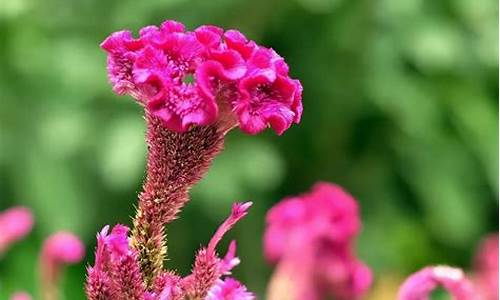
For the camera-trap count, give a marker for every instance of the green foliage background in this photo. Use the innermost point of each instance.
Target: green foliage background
(400, 105)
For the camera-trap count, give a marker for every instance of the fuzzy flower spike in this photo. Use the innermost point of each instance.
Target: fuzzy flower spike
(194, 86)
(116, 274)
(208, 267)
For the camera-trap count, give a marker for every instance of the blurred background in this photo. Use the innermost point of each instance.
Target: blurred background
(400, 108)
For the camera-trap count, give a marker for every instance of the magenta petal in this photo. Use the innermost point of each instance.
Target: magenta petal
(248, 123)
(297, 101)
(237, 41)
(233, 66)
(278, 117)
(209, 35)
(170, 120)
(170, 26)
(114, 44)
(118, 240)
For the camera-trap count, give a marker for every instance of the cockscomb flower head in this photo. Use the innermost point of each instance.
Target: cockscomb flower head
(204, 76)
(311, 238)
(420, 285)
(15, 223)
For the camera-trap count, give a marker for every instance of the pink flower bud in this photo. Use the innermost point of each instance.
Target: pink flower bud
(15, 223)
(58, 249)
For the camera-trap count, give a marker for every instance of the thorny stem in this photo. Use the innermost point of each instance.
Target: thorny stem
(176, 161)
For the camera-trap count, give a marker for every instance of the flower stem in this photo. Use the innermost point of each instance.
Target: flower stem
(176, 161)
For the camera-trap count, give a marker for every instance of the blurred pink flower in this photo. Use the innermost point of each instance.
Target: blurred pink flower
(197, 78)
(486, 268)
(311, 238)
(420, 285)
(58, 249)
(15, 223)
(21, 296)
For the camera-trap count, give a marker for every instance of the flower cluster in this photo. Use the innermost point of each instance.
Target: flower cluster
(311, 237)
(116, 273)
(420, 285)
(203, 77)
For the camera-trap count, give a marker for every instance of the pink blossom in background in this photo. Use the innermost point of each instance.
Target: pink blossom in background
(420, 285)
(58, 249)
(204, 76)
(486, 268)
(61, 248)
(15, 223)
(229, 289)
(21, 296)
(311, 239)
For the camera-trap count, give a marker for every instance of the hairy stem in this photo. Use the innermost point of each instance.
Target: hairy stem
(176, 161)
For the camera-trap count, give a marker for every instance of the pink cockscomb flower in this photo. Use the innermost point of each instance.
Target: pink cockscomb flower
(15, 223)
(311, 238)
(420, 285)
(203, 76)
(58, 249)
(486, 268)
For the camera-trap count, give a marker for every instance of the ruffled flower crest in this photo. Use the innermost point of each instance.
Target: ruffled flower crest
(202, 77)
